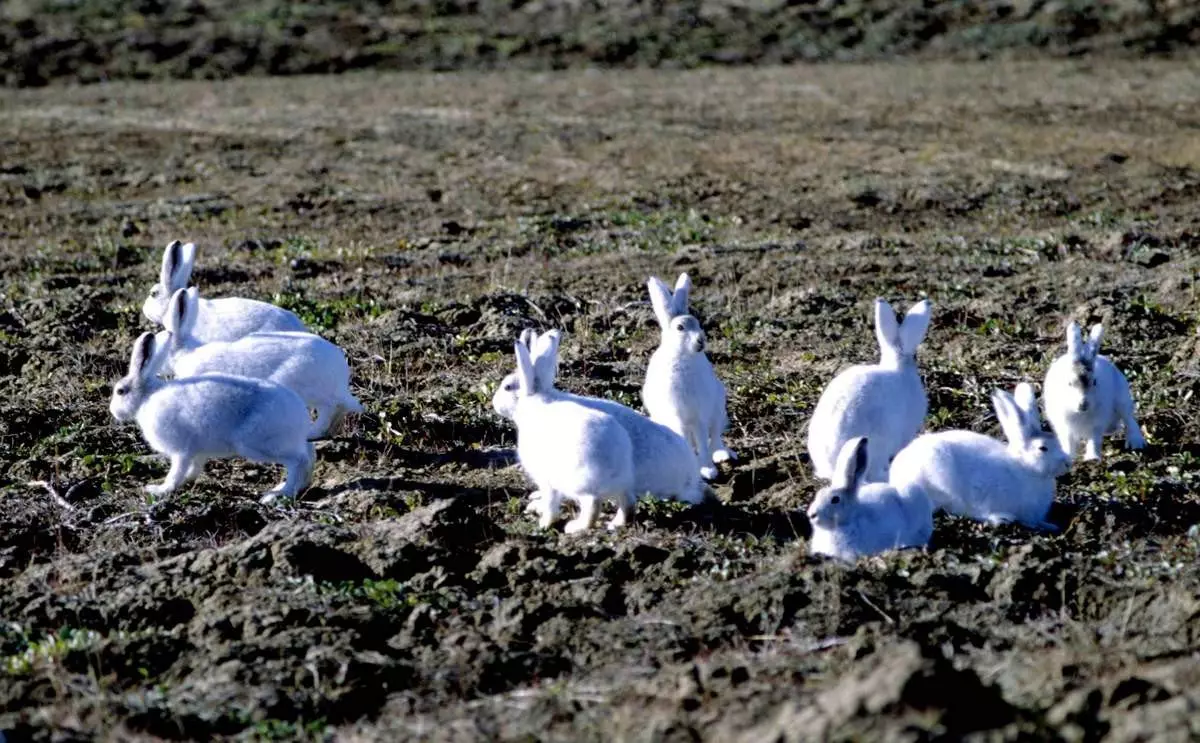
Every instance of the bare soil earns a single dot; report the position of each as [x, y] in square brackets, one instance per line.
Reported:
[421, 221]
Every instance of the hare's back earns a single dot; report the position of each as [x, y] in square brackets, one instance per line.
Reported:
[231, 318]
[213, 412]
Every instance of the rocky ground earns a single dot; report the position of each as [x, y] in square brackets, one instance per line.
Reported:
[421, 221]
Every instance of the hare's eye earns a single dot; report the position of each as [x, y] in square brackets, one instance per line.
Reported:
[121, 391]
[680, 327]
[510, 386]
[835, 499]
[155, 292]
[1043, 447]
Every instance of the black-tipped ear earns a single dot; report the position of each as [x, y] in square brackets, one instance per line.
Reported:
[181, 309]
[143, 352]
[172, 256]
[860, 459]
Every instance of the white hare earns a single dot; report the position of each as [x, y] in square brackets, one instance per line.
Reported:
[1086, 396]
[885, 402]
[682, 390]
[307, 364]
[569, 449]
[224, 319]
[191, 421]
[852, 518]
[977, 476]
[664, 466]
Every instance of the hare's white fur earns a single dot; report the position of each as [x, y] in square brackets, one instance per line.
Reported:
[191, 421]
[852, 518]
[664, 466]
[223, 319]
[884, 402]
[307, 364]
[977, 476]
[682, 390]
[569, 449]
[1086, 397]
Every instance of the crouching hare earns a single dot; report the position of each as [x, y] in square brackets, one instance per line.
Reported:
[217, 416]
[852, 518]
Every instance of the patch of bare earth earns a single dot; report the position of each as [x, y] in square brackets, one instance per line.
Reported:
[421, 221]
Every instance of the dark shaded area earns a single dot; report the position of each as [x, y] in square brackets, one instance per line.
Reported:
[44, 41]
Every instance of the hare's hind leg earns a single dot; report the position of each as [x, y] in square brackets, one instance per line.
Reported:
[327, 419]
[698, 435]
[721, 453]
[1133, 432]
[586, 517]
[546, 504]
[196, 468]
[299, 470]
[626, 507]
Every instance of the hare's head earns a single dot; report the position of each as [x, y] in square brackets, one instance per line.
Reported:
[1036, 449]
[177, 262]
[685, 335]
[131, 389]
[537, 366]
[1083, 366]
[835, 502]
[681, 331]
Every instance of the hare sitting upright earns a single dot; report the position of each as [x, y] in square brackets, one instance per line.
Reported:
[1087, 397]
[664, 465]
[569, 449]
[885, 402]
[682, 390]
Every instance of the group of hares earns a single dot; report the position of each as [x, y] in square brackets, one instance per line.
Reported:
[235, 377]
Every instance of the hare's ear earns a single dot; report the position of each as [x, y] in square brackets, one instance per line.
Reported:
[175, 320]
[171, 261]
[916, 323]
[178, 260]
[191, 312]
[528, 338]
[143, 354]
[660, 300]
[1074, 340]
[679, 299]
[524, 369]
[1094, 339]
[851, 464]
[183, 271]
[887, 330]
[1011, 421]
[545, 359]
[1026, 402]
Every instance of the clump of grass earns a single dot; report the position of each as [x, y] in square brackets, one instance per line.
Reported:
[275, 729]
[49, 650]
[325, 314]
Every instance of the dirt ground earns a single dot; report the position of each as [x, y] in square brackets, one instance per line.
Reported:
[421, 221]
